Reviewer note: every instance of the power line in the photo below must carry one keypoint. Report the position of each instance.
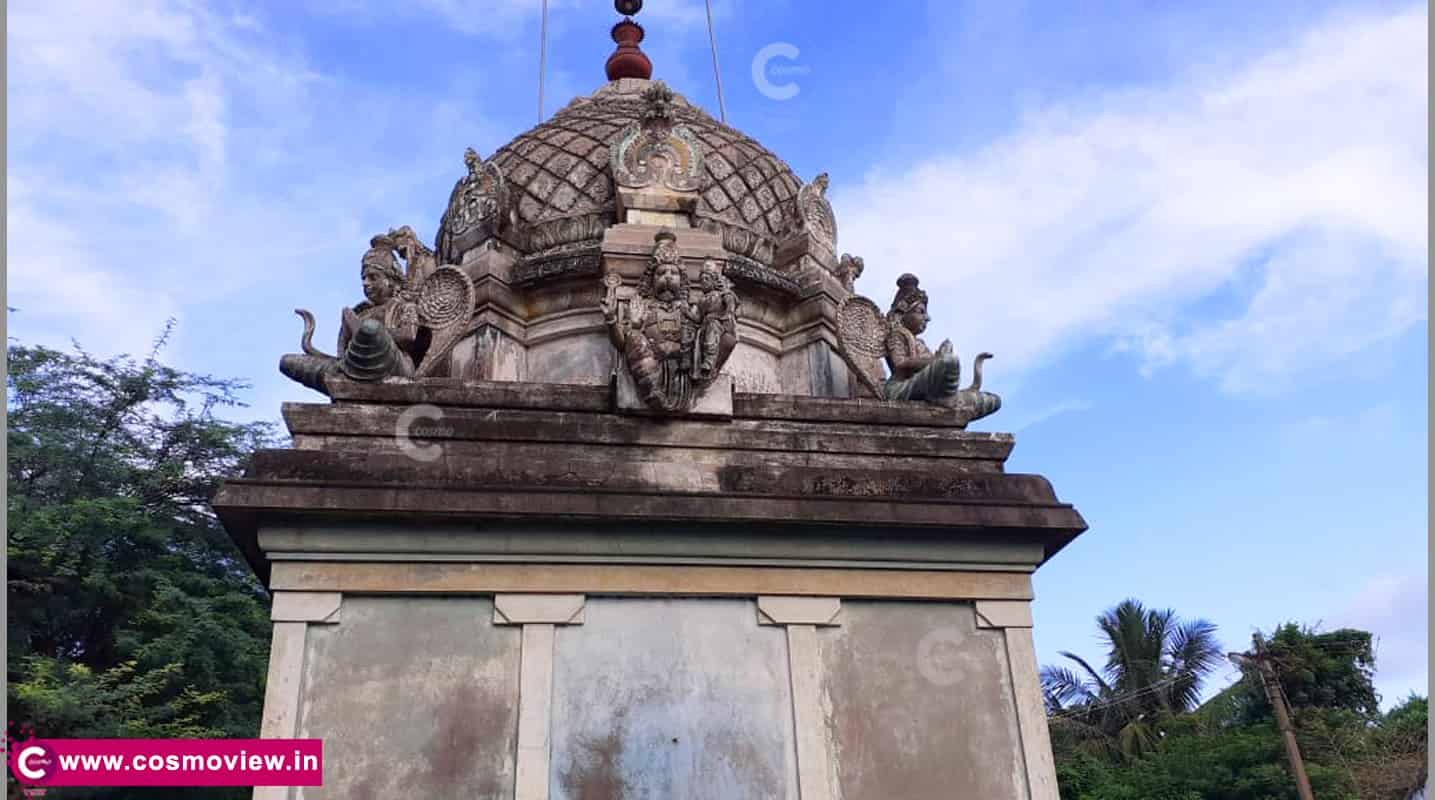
(1119, 698)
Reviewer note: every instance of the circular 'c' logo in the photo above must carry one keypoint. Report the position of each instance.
(34, 763)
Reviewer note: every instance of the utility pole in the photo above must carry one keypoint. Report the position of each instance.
(1283, 719)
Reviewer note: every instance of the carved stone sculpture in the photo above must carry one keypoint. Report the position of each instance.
(849, 269)
(917, 373)
(419, 260)
(812, 214)
(657, 152)
(405, 326)
(386, 301)
(480, 207)
(673, 347)
(716, 313)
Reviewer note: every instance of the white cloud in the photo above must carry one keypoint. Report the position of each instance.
(1396, 609)
(1302, 174)
(164, 157)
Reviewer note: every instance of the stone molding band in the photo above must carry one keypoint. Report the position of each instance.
(638, 579)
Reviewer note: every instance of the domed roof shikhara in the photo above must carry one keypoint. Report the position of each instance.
(632, 237)
(560, 184)
(561, 167)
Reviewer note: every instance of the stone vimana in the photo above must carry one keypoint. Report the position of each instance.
(631, 232)
(621, 490)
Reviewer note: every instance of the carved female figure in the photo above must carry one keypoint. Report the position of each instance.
(716, 313)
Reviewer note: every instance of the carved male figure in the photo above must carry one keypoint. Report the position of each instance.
(917, 372)
(658, 336)
(383, 302)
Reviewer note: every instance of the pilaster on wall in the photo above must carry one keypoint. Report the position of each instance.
(292, 613)
(802, 616)
(1013, 619)
(539, 614)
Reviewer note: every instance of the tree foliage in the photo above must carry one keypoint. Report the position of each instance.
(131, 612)
(1229, 748)
(1154, 668)
(1332, 670)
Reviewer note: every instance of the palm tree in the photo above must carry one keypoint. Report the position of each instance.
(1154, 668)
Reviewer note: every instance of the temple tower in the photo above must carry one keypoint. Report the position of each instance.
(622, 491)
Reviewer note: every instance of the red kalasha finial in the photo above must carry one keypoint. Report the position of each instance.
(628, 61)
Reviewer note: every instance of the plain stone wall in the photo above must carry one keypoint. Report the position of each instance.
(579, 358)
(418, 696)
(671, 698)
(413, 697)
(921, 704)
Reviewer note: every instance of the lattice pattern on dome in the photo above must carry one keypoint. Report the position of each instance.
(560, 168)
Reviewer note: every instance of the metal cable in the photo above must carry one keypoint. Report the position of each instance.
(542, 57)
(717, 74)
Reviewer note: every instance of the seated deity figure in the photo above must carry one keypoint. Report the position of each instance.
(716, 314)
(917, 372)
(384, 302)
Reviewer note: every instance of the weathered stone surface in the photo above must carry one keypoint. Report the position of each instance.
(413, 696)
(671, 698)
(579, 358)
(492, 452)
(920, 704)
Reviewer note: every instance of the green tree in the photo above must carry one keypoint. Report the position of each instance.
(1332, 670)
(1229, 748)
(1154, 668)
(131, 612)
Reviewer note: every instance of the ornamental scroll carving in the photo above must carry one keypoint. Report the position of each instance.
(812, 214)
(480, 207)
(674, 343)
(657, 151)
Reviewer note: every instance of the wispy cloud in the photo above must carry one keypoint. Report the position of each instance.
(1255, 226)
(166, 159)
(1394, 607)
(1021, 423)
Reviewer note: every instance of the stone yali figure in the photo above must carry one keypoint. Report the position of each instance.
(716, 313)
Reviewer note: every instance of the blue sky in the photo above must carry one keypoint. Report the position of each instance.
(1194, 234)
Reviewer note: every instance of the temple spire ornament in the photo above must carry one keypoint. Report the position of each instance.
(628, 61)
